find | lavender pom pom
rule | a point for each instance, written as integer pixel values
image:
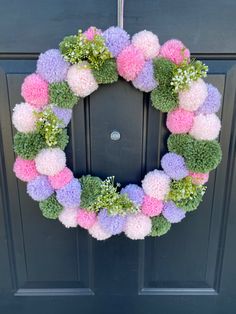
(39, 189)
(174, 166)
(69, 195)
(212, 102)
(145, 80)
(173, 213)
(63, 114)
(51, 66)
(116, 39)
(134, 192)
(112, 224)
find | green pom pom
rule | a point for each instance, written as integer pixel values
(27, 145)
(61, 95)
(179, 143)
(50, 207)
(62, 139)
(160, 226)
(164, 99)
(91, 189)
(163, 71)
(107, 73)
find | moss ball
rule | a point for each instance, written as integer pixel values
(50, 207)
(163, 99)
(27, 145)
(160, 226)
(163, 71)
(107, 73)
(179, 143)
(61, 95)
(91, 189)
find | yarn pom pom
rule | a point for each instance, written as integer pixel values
(173, 213)
(91, 32)
(205, 127)
(24, 118)
(175, 51)
(35, 90)
(50, 161)
(148, 43)
(137, 226)
(112, 224)
(61, 179)
(134, 192)
(160, 226)
(50, 207)
(39, 189)
(194, 97)
(116, 39)
(156, 184)
(130, 62)
(51, 66)
(163, 99)
(81, 80)
(86, 219)
(179, 121)
(97, 232)
(24, 169)
(212, 102)
(151, 206)
(63, 114)
(69, 195)
(68, 217)
(145, 80)
(61, 95)
(199, 178)
(174, 166)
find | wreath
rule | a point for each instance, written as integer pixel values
(82, 62)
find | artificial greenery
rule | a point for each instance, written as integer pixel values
(27, 145)
(91, 189)
(163, 99)
(163, 71)
(179, 143)
(107, 73)
(160, 226)
(62, 139)
(61, 95)
(50, 207)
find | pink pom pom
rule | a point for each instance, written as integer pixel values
(148, 43)
(25, 170)
(68, 217)
(199, 178)
(175, 51)
(61, 179)
(194, 97)
(137, 226)
(91, 32)
(156, 184)
(206, 127)
(24, 118)
(35, 90)
(85, 218)
(50, 161)
(179, 121)
(130, 62)
(97, 232)
(151, 206)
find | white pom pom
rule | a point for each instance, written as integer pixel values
(205, 127)
(68, 217)
(98, 232)
(50, 161)
(137, 226)
(24, 118)
(148, 43)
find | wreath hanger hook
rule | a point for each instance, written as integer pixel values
(120, 13)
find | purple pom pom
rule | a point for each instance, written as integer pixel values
(116, 39)
(134, 192)
(174, 166)
(112, 224)
(69, 195)
(39, 189)
(63, 114)
(51, 66)
(145, 80)
(173, 213)
(212, 102)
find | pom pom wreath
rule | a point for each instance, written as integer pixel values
(97, 232)
(194, 97)
(160, 226)
(112, 224)
(175, 51)
(205, 127)
(35, 90)
(151, 206)
(27, 145)
(174, 166)
(24, 169)
(199, 178)
(130, 62)
(137, 226)
(68, 217)
(51, 66)
(63, 114)
(156, 184)
(69, 195)
(61, 95)
(50, 161)
(81, 80)
(163, 99)
(148, 43)
(86, 219)
(107, 73)
(163, 71)
(61, 179)
(178, 143)
(50, 207)
(179, 121)
(116, 39)
(91, 189)
(173, 213)
(134, 192)
(24, 118)
(145, 80)
(212, 102)
(39, 189)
